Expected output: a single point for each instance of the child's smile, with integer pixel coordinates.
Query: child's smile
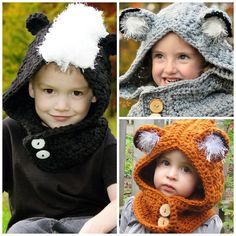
(167, 80)
(173, 60)
(61, 98)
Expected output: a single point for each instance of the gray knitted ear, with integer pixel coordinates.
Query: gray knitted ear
(216, 24)
(135, 23)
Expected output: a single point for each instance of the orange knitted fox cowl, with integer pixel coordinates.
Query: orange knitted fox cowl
(205, 146)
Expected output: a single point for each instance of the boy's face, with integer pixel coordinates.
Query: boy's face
(61, 98)
(173, 60)
(174, 175)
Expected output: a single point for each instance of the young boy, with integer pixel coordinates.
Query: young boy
(181, 179)
(184, 66)
(59, 156)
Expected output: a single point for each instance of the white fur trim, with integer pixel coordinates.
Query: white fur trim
(73, 37)
(214, 27)
(214, 148)
(134, 27)
(147, 141)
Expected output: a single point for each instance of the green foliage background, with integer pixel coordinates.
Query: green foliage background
(16, 39)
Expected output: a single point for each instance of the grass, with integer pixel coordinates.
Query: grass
(5, 212)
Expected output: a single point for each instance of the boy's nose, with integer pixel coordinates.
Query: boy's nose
(170, 67)
(61, 104)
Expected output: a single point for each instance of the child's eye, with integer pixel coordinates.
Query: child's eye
(186, 169)
(158, 56)
(48, 91)
(183, 57)
(165, 163)
(77, 93)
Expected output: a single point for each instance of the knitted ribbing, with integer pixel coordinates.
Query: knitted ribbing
(186, 214)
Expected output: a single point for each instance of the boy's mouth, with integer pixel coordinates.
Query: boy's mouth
(61, 118)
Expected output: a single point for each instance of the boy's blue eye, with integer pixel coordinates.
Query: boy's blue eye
(77, 93)
(48, 91)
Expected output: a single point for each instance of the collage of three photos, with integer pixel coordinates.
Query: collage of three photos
(118, 117)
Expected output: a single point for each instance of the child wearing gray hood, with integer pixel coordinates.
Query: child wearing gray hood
(184, 65)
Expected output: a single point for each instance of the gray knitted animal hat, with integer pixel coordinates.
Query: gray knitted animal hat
(76, 37)
(206, 29)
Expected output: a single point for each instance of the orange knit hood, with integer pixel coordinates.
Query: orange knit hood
(205, 146)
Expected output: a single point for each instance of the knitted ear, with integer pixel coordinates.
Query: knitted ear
(35, 22)
(217, 24)
(109, 44)
(135, 23)
(215, 147)
(145, 140)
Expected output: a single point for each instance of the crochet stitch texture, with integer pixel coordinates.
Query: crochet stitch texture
(72, 144)
(186, 215)
(186, 20)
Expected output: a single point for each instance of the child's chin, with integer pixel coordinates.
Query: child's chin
(168, 194)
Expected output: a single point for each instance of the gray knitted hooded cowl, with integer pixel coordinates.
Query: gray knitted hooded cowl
(207, 30)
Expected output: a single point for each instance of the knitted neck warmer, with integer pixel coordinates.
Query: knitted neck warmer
(61, 148)
(147, 206)
(208, 95)
(205, 146)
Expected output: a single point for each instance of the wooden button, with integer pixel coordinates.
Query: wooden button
(155, 115)
(165, 210)
(162, 222)
(156, 105)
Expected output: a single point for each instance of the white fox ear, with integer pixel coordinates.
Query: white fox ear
(145, 141)
(215, 147)
(216, 24)
(135, 23)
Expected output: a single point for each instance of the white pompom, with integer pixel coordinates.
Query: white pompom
(135, 27)
(214, 27)
(214, 148)
(147, 141)
(73, 37)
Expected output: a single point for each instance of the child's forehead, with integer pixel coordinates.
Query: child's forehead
(51, 73)
(51, 69)
(174, 38)
(176, 155)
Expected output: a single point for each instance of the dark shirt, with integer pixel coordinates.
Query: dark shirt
(78, 191)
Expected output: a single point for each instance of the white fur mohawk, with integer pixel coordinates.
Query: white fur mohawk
(73, 37)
